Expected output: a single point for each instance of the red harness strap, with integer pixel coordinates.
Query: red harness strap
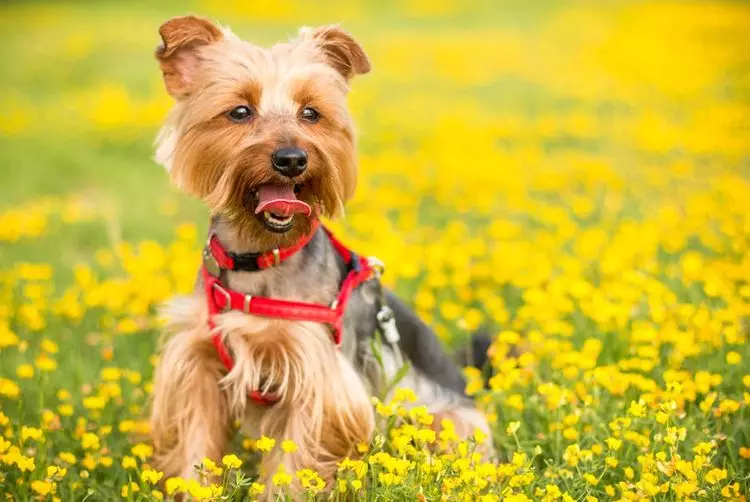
(222, 299)
(228, 261)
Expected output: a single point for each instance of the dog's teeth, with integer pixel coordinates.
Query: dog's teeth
(276, 220)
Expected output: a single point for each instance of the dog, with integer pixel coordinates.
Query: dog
(279, 333)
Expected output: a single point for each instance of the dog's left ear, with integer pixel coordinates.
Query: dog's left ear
(340, 49)
(178, 53)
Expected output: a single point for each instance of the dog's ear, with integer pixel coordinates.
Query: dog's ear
(340, 49)
(177, 54)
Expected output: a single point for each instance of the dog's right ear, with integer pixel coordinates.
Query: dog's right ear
(178, 53)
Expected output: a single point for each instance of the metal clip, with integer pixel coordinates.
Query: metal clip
(227, 297)
(246, 304)
(210, 262)
(377, 265)
(387, 323)
(276, 256)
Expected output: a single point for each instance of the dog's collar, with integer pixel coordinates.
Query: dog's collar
(221, 299)
(216, 258)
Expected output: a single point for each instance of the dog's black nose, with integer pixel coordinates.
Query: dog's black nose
(290, 162)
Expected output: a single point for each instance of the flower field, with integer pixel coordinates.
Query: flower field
(572, 176)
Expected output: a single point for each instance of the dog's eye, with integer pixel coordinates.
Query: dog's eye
(310, 115)
(240, 114)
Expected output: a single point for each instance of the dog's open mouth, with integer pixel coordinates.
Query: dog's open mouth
(277, 205)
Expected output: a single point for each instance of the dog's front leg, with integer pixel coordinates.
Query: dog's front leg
(189, 417)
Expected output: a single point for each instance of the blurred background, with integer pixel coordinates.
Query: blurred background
(512, 129)
(515, 130)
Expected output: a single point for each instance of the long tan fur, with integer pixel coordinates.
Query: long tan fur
(189, 412)
(324, 407)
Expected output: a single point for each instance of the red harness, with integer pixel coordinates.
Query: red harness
(222, 299)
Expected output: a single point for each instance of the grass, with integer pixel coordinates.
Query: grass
(588, 161)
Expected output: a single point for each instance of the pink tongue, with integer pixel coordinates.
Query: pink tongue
(280, 200)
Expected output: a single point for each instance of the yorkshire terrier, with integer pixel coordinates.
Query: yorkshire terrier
(279, 333)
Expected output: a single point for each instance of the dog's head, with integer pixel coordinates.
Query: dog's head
(263, 135)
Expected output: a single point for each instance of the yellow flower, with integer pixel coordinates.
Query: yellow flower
(404, 395)
(427, 436)
(151, 476)
(67, 457)
(265, 444)
(420, 415)
(479, 435)
(731, 491)
(257, 489)
(25, 371)
(231, 461)
(733, 358)
(570, 434)
(637, 409)
(90, 441)
(281, 478)
(30, 433)
(715, 475)
(129, 462)
(209, 465)
(512, 428)
(684, 489)
(7, 337)
(448, 433)
(519, 459)
(45, 363)
(310, 480)
(288, 446)
(590, 479)
(388, 478)
(703, 448)
(94, 402)
(42, 488)
(728, 406)
(55, 472)
(515, 401)
(197, 491)
(65, 410)
(89, 462)
(9, 388)
(49, 346)
(142, 451)
(384, 410)
(111, 374)
(473, 387)
(175, 485)
(613, 443)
